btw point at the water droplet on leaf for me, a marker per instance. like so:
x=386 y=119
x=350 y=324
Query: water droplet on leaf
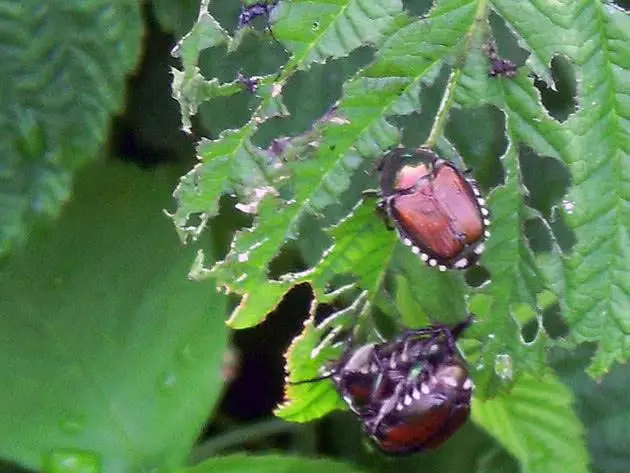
x=503 y=366
x=568 y=206
x=71 y=461
x=167 y=380
x=185 y=354
x=72 y=424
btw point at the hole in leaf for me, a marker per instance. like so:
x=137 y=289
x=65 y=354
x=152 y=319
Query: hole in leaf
x=226 y=13
x=623 y=4
x=225 y=224
x=537 y=236
x=507 y=44
x=564 y=235
x=323 y=311
x=310 y=94
x=416 y=126
x=480 y=146
x=224 y=113
x=254 y=56
x=530 y=330
x=417 y=7
x=553 y=321
x=302 y=251
x=288 y=260
x=547 y=180
x=476 y=276
x=560 y=103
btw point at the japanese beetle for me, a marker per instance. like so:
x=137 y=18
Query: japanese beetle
x=430 y=397
x=411 y=393
x=436 y=209
x=425 y=410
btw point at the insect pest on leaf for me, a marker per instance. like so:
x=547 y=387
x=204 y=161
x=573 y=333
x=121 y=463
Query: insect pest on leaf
x=253 y=11
x=499 y=67
x=249 y=12
x=437 y=210
x=411 y=393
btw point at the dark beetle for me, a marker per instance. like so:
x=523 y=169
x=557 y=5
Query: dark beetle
x=425 y=410
x=411 y=393
x=436 y=209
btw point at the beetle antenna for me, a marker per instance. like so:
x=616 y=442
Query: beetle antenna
x=457 y=330
x=313 y=380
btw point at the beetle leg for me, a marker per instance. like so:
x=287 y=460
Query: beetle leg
x=460 y=327
x=371 y=193
x=386 y=407
x=459 y=236
x=382 y=210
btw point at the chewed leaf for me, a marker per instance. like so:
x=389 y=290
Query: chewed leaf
x=307 y=358
x=357 y=235
x=229 y=164
x=316 y=175
x=315 y=31
x=515 y=280
x=205 y=33
x=597 y=273
x=593 y=280
x=191 y=89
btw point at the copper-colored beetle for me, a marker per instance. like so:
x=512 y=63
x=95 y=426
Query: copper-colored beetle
x=437 y=210
x=411 y=393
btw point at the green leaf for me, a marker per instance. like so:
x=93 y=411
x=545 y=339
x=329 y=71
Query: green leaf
x=308 y=352
x=64 y=68
x=315 y=31
x=593 y=143
x=110 y=353
x=603 y=407
x=515 y=280
x=597 y=300
x=205 y=33
x=535 y=422
x=269 y=464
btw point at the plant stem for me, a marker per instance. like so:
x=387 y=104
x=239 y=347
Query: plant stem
x=481 y=16
x=445 y=107
x=239 y=436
